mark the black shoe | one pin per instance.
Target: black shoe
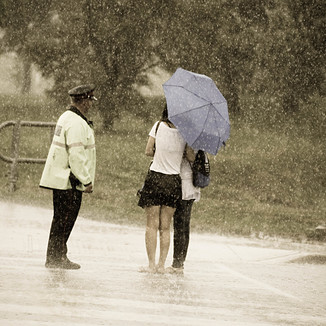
(174, 270)
(65, 263)
(52, 264)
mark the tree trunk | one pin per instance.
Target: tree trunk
(26, 76)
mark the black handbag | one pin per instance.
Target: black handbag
(201, 170)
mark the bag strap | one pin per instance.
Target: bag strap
(168, 123)
(158, 124)
(156, 129)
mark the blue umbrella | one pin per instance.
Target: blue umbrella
(198, 109)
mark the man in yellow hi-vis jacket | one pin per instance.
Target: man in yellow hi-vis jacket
(69, 171)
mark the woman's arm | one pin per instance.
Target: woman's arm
(149, 151)
(190, 154)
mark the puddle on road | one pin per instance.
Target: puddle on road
(169, 289)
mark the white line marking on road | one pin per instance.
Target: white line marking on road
(260, 284)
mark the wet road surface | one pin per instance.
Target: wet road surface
(227, 281)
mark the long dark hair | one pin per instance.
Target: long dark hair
(165, 116)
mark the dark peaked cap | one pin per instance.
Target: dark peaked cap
(81, 90)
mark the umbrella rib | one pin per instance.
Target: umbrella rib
(200, 98)
(202, 133)
(199, 107)
(221, 114)
(191, 93)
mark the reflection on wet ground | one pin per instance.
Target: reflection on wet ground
(226, 281)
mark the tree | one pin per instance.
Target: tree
(18, 19)
(112, 43)
(216, 38)
(106, 42)
(309, 18)
(291, 53)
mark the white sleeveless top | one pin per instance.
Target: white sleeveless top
(169, 149)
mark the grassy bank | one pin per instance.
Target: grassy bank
(269, 180)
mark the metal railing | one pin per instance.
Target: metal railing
(15, 159)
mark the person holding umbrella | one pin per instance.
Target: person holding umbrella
(199, 111)
(162, 188)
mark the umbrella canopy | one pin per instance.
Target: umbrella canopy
(198, 109)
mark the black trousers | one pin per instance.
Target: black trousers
(181, 229)
(66, 205)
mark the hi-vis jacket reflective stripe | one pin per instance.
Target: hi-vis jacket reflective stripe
(72, 150)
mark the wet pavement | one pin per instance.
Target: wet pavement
(227, 281)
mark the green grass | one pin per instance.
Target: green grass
(269, 181)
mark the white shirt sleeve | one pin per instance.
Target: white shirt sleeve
(152, 132)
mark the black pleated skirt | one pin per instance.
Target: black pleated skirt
(160, 190)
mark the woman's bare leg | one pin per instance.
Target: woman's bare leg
(153, 216)
(166, 215)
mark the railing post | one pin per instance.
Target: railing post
(15, 154)
(15, 159)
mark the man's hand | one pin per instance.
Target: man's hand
(89, 189)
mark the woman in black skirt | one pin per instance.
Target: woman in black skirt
(162, 188)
